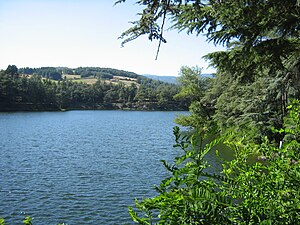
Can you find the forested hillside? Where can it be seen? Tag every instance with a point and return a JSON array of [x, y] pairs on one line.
[[50, 88], [58, 73]]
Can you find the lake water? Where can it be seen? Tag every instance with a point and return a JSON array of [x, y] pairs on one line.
[[81, 167]]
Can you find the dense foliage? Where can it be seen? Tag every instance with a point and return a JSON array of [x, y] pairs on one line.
[[38, 92], [244, 107], [245, 191]]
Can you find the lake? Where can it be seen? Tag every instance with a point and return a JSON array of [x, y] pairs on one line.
[[81, 167]]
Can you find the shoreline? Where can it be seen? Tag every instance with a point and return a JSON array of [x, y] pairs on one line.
[[30, 107]]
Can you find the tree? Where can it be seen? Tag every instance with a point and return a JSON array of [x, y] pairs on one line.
[[193, 90], [261, 36], [257, 78], [12, 70], [263, 48]]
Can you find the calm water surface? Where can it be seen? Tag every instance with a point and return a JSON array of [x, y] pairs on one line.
[[80, 167]]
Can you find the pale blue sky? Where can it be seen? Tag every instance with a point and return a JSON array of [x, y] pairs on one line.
[[75, 33]]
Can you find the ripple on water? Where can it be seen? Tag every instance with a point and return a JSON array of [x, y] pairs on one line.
[[80, 167]]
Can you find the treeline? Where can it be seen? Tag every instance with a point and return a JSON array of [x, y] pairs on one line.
[[104, 73], [46, 72], [38, 93], [231, 102]]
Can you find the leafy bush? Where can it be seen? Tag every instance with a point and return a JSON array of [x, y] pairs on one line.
[[260, 191], [26, 221]]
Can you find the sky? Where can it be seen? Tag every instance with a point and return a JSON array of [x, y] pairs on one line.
[[74, 33]]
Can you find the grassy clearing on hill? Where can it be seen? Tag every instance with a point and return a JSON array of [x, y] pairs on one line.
[[71, 77], [92, 80]]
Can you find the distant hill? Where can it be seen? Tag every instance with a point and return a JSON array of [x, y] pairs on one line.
[[90, 75], [58, 73], [62, 88], [170, 79]]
